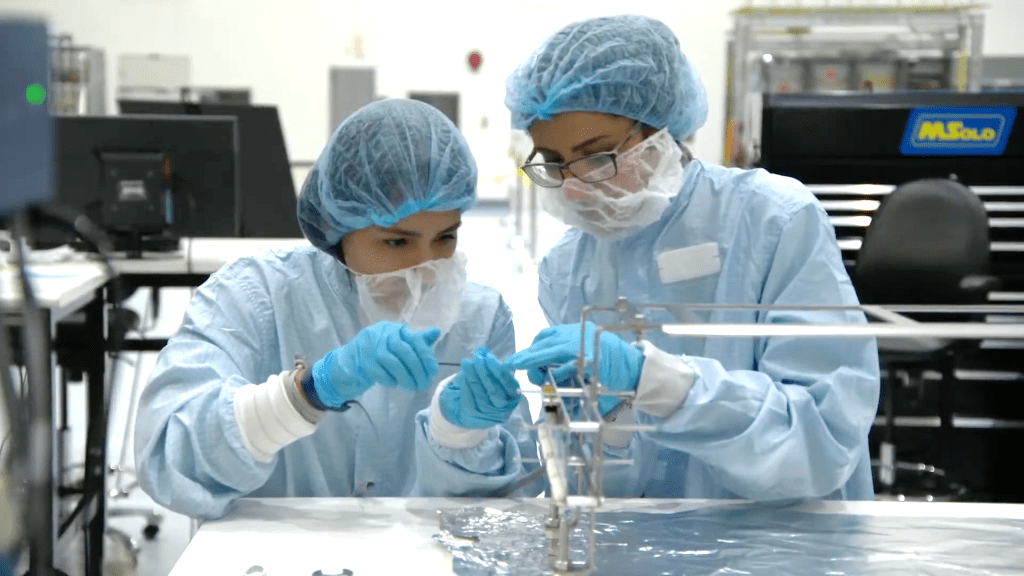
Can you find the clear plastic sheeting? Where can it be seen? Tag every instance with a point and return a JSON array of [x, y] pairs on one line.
[[740, 539]]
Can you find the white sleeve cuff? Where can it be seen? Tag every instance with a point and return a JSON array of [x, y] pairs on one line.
[[665, 381], [445, 433], [267, 419]]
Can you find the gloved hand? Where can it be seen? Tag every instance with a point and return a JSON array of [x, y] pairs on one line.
[[386, 353], [619, 363], [483, 393]]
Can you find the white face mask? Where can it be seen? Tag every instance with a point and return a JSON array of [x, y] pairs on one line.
[[649, 176], [424, 296]]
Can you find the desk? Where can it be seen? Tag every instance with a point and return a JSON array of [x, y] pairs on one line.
[[206, 257], [61, 289], [296, 536], [185, 268], [70, 285]]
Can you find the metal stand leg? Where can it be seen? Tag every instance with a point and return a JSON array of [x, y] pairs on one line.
[[948, 365], [887, 448], [94, 482], [42, 519]]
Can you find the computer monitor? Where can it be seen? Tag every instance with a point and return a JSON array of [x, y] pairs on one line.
[[146, 180], [268, 191]]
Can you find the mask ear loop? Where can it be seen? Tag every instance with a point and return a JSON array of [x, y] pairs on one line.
[[687, 153]]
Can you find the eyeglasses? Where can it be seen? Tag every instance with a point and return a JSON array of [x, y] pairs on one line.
[[593, 168]]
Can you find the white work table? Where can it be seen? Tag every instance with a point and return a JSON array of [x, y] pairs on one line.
[[60, 287], [297, 536], [200, 255], [196, 256]]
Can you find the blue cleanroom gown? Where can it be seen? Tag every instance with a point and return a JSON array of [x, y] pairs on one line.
[[766, 418], [247, 322]]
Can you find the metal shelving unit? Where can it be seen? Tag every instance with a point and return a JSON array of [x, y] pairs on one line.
[[841, 47]]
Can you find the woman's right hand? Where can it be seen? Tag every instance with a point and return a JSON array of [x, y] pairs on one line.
[[386, 353], [484, 393]]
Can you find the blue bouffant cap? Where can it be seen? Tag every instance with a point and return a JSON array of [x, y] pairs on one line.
[[388, 160], [629, 66]]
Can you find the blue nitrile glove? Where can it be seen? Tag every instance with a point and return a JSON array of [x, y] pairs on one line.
[[386, 353], [483, 393], [619, 368]]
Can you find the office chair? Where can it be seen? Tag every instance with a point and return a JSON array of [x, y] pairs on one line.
[[928, 243]]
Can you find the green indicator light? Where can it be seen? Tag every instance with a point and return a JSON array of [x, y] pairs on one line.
[[35, 94]]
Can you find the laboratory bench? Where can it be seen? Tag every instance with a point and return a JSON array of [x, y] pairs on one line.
[[299, 536]]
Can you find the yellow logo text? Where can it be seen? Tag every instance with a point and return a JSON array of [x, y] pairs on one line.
[[954, 131]]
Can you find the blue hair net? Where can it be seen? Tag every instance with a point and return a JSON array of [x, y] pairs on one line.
[[388, 160], [629, 66]]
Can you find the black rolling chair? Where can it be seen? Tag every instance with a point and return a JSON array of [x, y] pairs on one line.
[[928, 243]]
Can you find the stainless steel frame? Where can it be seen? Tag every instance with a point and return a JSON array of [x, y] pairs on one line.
[[573, 440], [899, 32]]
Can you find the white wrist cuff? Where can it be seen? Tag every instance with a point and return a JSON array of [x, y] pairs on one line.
[[665, 381], [267, 419], [445, 433]]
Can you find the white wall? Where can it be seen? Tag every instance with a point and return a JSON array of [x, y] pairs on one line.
[[283, 49]]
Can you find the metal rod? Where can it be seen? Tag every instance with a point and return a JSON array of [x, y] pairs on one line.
[[949, 330], [41, 518], [602, 391], [866, 308], [950, 309]]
